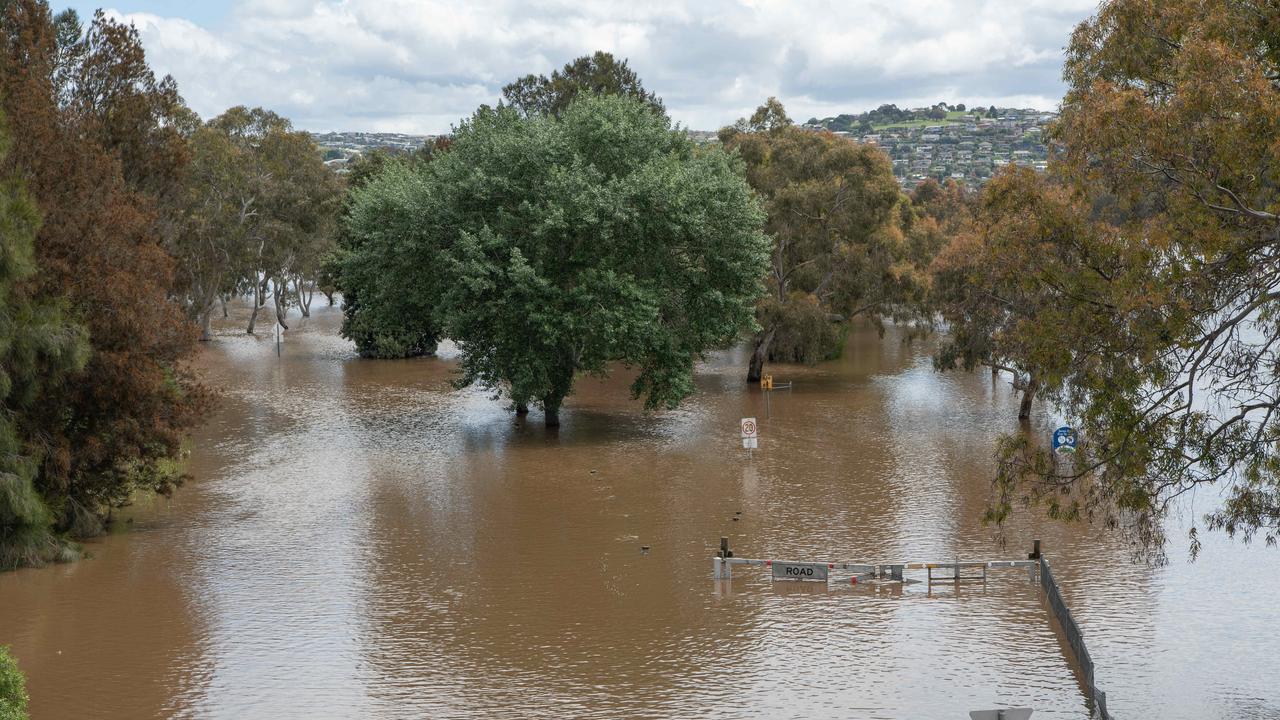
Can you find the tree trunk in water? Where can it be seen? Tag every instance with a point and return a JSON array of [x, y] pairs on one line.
[[759, 355], [561, 385], [1028, 394], [522, 409], [551, 408], [206, 318], [282, 305], [223, 300], [259, 299], [329, 295], [304, 300]]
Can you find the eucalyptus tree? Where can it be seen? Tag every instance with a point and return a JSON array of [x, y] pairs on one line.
[[837, 246], [218, 221], [278, 205], [548, 246], [1000, 283], [1170, 316]]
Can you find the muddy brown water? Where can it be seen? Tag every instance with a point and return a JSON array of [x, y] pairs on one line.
[[362, 541]]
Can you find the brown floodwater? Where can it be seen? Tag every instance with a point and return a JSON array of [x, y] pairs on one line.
[[362, 541]]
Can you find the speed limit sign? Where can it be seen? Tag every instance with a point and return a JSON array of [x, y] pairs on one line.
[[749, 429]]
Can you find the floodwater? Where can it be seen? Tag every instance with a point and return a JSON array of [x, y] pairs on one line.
[[362, 541]]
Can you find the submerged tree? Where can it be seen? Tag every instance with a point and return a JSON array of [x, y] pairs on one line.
[[837, 247], [552, 246], [388, 306], [596, 74], [262, 204], [1000, 282], [1170, 128], [390, 268]]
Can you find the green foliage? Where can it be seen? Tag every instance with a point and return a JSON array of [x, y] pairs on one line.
[[549, 246], [13, 691], [38, 348], [596, 74], [998, 284], [838, 250], [1142, 292], [389, 270], [260, 214], [392, 322], [98, 148]]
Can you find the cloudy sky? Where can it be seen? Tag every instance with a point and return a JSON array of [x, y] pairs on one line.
[[420, 65]]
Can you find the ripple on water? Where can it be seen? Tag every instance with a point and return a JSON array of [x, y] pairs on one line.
[[361, 540]]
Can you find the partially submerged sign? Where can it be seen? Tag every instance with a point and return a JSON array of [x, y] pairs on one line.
[[816, 572], [1064, 440], [750, 433], [1003, 714]]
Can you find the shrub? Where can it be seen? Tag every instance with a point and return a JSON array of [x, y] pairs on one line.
[[13, 691]]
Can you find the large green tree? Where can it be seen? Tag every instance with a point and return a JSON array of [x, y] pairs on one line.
[[391, 270], [837, 246], [398, 319], [551, 246], [597, 74]]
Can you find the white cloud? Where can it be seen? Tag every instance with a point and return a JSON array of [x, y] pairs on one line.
[[420, 66]]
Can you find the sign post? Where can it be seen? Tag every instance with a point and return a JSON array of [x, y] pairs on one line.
[[750, 434]]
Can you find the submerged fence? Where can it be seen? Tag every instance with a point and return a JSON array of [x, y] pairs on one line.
[[723, 562], [1074, 637]]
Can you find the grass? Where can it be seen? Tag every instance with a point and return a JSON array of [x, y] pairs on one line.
[[952, 117]]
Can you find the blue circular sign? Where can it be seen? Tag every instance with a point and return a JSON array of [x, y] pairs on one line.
[[1064, 440]]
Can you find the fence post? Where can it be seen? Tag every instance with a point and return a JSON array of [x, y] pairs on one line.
[[722, 570]]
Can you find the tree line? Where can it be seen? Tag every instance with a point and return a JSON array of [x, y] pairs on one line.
[[126, 221], [573, 228]]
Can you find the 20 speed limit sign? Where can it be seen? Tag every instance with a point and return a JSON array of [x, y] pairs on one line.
[[749, 428]]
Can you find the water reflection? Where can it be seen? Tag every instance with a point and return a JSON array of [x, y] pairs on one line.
[[365, 541]]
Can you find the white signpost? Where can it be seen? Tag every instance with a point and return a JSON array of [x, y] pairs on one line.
[[750, 434]]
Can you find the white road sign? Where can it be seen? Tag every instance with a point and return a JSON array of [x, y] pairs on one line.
[[800, 571], [749, 428], [1005, 714]]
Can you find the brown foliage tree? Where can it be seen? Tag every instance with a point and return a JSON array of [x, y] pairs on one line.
[[85, 121], [837, 244]]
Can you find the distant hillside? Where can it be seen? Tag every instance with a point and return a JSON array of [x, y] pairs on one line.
[[340, 148], [949, 141]]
